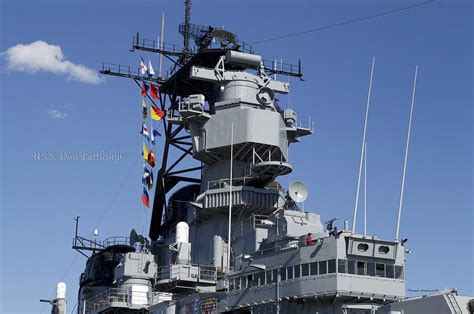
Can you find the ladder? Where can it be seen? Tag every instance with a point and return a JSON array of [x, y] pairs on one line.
[[454, 303]]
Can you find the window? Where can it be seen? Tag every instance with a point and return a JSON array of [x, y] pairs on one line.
[[314, 268], [370, 269], [289, 272], [251, 280], [237, 283], [389, 270], [243, 282], [305, 270], [275, 275], [380, 270], [341, 266], [322, 267], [331, 266], [297, 271], [260, 277], [363, 247], [361, 268], [269, 277], [384, 249], [351, 267], [283, 273], [398, 272], [231, 284]]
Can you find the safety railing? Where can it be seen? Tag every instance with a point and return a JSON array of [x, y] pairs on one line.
[[167, 48], [116, 241], [282, 68], [222, 183], [241, 46], [122, 295], [207, 272], [128, 71], [187, 272], [120, 69], [94, 245], [291, 245], [305, 122]]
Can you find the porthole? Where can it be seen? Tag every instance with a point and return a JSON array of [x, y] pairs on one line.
[[363, 247], [384, 249]]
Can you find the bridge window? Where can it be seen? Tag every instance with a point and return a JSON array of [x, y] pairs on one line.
[[360, 268], [305, 270], [380, 270], [351, 267], [275, 275], [331, 266], [289, 272], [389, 271], [260, 278], [251, 280], [341, 266], [269, 277], [322, 267], [314, 268], [243, 282], [370, 269], [297, 271], [237, 283], [283, 273], [398, 272], [231, 284], [383, 249]]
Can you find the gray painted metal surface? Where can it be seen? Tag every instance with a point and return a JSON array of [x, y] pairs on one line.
[[272, 265]]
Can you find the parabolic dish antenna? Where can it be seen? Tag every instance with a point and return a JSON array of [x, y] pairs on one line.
[[298, 191]]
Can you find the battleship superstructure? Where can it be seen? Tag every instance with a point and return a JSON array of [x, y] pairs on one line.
[[230, 238]]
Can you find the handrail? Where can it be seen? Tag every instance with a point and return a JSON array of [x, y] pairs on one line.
[[305, 122], [173, 271], [116, 295], [83, 243]]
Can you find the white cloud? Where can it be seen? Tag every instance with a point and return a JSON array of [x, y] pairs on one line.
[[39, 56], [56, 114]]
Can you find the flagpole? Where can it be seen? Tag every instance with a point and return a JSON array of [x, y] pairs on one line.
[[230, 195]]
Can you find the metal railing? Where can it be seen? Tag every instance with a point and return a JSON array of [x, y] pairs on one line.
[[222, 183], [122, 295], [291, 245], [116, 241], [305, 122], [128, 71], [166, 48], [241, 46], [120, 69], [94, 245], [282, 68], [186, 272]]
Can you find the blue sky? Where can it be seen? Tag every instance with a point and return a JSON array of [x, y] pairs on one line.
[[67, 110]]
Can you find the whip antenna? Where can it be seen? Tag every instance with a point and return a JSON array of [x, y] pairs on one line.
[[363, 145], [406, 155]]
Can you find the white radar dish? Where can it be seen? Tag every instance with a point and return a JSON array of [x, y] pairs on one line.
[[298, 191]]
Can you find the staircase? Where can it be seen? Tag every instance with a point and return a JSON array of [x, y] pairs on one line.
[[453, 303]]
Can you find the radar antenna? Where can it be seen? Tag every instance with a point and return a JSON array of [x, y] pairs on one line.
[[297, 193]]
